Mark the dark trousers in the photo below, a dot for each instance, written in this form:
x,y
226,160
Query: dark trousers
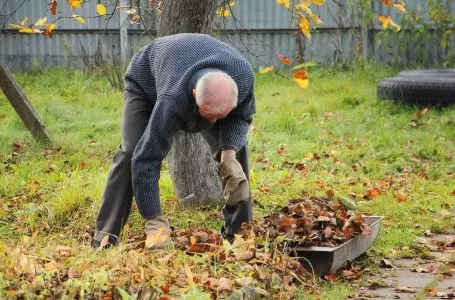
x,y
118,193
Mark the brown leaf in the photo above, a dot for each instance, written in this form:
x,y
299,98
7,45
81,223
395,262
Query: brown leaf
x,y
164,288
401,197
286,223
405,289
225,285
301,166
193,240
82,165
189,274
280,151
330,193
53,7
199,248
373,193
285,60
33,187
330,277
432,292
63,251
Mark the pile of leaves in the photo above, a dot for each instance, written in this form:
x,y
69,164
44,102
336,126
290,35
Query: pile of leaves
x,y
310,222
271,272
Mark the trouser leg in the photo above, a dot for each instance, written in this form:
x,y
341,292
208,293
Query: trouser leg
x,y
235,215
118,193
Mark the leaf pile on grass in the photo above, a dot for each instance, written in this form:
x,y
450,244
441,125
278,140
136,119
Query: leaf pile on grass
x,y
310,222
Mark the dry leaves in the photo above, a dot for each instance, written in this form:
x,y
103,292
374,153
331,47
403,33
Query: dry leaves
x,y
310,222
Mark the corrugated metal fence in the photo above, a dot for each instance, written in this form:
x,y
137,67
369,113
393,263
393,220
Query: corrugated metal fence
x,y
263,29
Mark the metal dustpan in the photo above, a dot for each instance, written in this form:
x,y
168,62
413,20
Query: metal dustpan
x,y
328,260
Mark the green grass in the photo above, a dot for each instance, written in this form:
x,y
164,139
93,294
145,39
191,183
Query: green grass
x,y
361,141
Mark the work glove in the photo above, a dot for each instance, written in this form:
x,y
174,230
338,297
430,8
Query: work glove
x,y
236,187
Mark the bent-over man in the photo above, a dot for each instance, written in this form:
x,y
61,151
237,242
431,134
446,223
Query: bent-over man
x,y
189,82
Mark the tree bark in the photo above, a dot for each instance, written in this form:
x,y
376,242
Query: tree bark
x,y
23,107
193,170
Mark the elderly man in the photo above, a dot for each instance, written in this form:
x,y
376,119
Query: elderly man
x,y
189,82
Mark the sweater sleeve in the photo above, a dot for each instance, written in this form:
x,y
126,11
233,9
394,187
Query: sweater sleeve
x,y
234,128
150,151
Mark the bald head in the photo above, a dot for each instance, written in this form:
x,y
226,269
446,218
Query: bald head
x,y
216,95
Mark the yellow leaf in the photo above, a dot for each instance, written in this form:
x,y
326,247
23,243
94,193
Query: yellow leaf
x,y
75,3
22,24
266,70
301,78
231,4
400,7
304,8
397,27
316,19
385,20
304,26
285,3
41,21
189,274
78,18
101,9
303,83
48,30
223,12
306,2
319,2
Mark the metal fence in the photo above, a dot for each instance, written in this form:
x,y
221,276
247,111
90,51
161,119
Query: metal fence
x,y
263,30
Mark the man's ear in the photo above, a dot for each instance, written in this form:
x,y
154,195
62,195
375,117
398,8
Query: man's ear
x,y
194,93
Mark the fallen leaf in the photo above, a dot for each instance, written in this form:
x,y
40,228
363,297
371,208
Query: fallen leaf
x,y
189,274
225,285
33,187
385,263
63,251
373,193
401,197
329,193
280,151
404,289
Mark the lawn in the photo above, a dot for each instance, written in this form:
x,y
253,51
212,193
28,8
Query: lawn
x,y
392,160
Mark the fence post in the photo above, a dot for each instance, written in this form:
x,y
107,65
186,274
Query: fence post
x,y
123,26
364,33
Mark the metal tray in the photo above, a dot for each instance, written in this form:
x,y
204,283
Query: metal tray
x,y
328,260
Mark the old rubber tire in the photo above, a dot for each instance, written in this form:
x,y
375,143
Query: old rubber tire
x,y
420,87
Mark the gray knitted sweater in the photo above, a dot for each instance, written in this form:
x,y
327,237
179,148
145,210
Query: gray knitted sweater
x,y
164,73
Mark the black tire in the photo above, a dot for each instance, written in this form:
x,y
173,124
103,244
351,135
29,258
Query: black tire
x,y
429,72
423,90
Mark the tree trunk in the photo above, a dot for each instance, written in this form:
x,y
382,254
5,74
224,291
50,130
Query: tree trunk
x,y
191,165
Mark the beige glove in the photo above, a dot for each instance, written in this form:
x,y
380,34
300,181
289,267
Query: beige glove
x,y
236,187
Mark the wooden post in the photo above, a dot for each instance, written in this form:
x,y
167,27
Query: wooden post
x,y
123,25
22,105
364,34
